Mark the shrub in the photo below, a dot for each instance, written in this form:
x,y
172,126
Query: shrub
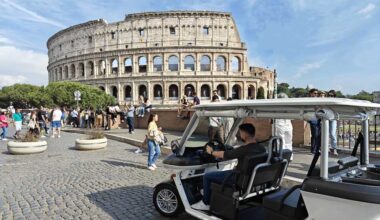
x,y
95,135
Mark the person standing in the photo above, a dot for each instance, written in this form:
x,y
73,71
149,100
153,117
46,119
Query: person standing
x,y
332,128
315,128
99,118
153,147
130,118
17,121
74,117
91,119
56,122
215,128
42,121
228,122
284,129
4,125
33,124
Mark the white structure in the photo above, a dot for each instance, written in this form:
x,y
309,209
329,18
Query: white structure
x,y
160,55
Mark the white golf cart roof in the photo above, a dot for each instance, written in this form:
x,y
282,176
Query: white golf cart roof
x,y
290,108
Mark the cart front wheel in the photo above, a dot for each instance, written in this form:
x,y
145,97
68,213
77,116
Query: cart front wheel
x,y
167,201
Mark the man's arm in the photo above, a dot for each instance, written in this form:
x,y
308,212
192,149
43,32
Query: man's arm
x,y
217,154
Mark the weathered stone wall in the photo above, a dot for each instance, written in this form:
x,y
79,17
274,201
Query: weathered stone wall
x,y
135,57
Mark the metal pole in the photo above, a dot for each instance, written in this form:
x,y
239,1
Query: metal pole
x,y
364,154
324,164
375,133
349,134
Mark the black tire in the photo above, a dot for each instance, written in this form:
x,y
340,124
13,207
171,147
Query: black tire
x,y
170,190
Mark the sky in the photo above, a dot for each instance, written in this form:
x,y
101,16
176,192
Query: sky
x,y
324,44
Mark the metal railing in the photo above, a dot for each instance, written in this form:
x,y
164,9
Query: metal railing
x,y
348,131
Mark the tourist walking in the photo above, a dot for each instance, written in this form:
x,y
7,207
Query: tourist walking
x,y
17,121
56,122
91,119
74,118
130,117
43,121
153,146
99,118
4,125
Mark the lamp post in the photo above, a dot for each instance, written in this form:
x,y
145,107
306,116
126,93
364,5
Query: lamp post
x,y
77,95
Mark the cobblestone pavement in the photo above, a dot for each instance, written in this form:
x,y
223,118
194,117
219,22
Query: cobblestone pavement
x,y
63,183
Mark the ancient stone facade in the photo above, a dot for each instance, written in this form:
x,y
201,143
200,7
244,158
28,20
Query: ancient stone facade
x,y
160,55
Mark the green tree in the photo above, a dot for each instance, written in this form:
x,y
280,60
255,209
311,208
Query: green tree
x,y
260,93
19,94
283,88
298,92
62,94
363,95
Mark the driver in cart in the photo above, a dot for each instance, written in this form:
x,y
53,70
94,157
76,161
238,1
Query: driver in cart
x,y
250,147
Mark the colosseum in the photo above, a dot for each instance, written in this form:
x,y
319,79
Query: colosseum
x,y
159,55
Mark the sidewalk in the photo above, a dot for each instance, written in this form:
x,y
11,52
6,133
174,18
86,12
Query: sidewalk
x,y
297,168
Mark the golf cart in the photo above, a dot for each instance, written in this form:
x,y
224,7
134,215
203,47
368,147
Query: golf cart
x,y
345,189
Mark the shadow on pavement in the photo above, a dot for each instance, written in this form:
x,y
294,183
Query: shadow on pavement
x,y
124,164
131,202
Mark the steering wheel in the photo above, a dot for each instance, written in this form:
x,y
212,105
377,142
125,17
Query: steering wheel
x,y
216,145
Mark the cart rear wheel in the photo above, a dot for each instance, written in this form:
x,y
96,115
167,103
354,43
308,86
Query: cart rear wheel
x,y
167,201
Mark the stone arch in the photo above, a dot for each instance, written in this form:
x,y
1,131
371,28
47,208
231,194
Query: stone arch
x,y
114,91
205,63
157,92
189,90
90,68
66,70
173,92
222,91
189,63
114,66
143,91
102,67
142,64
157,63
173,63
60,73
81,69
236,91
235,64
251,92
72,70
221,63
128,65
205,91
102,88
128,94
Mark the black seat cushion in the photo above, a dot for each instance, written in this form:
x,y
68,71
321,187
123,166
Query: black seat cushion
x,y
289,208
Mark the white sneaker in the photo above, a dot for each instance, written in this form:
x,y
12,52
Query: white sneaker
x,y
138,151
200,206
4,139
59,136
43,136
335,152
201,191
151,168
154,165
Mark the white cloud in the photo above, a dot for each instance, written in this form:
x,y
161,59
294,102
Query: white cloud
x,y
367,10
31,15
4,40
19,65
307,67
7,80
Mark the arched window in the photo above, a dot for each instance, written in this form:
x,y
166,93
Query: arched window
x,y
102,88
157,64
221,63
72,70
251,92
173,63
55,75
205,63
173,92
114,91
102,67
143,91
157,92
221,90
128,65
90,68
128,93
235,64
189,63
142,64
66,72
60,73
205,92
114,66
236,90
189,90
81,69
